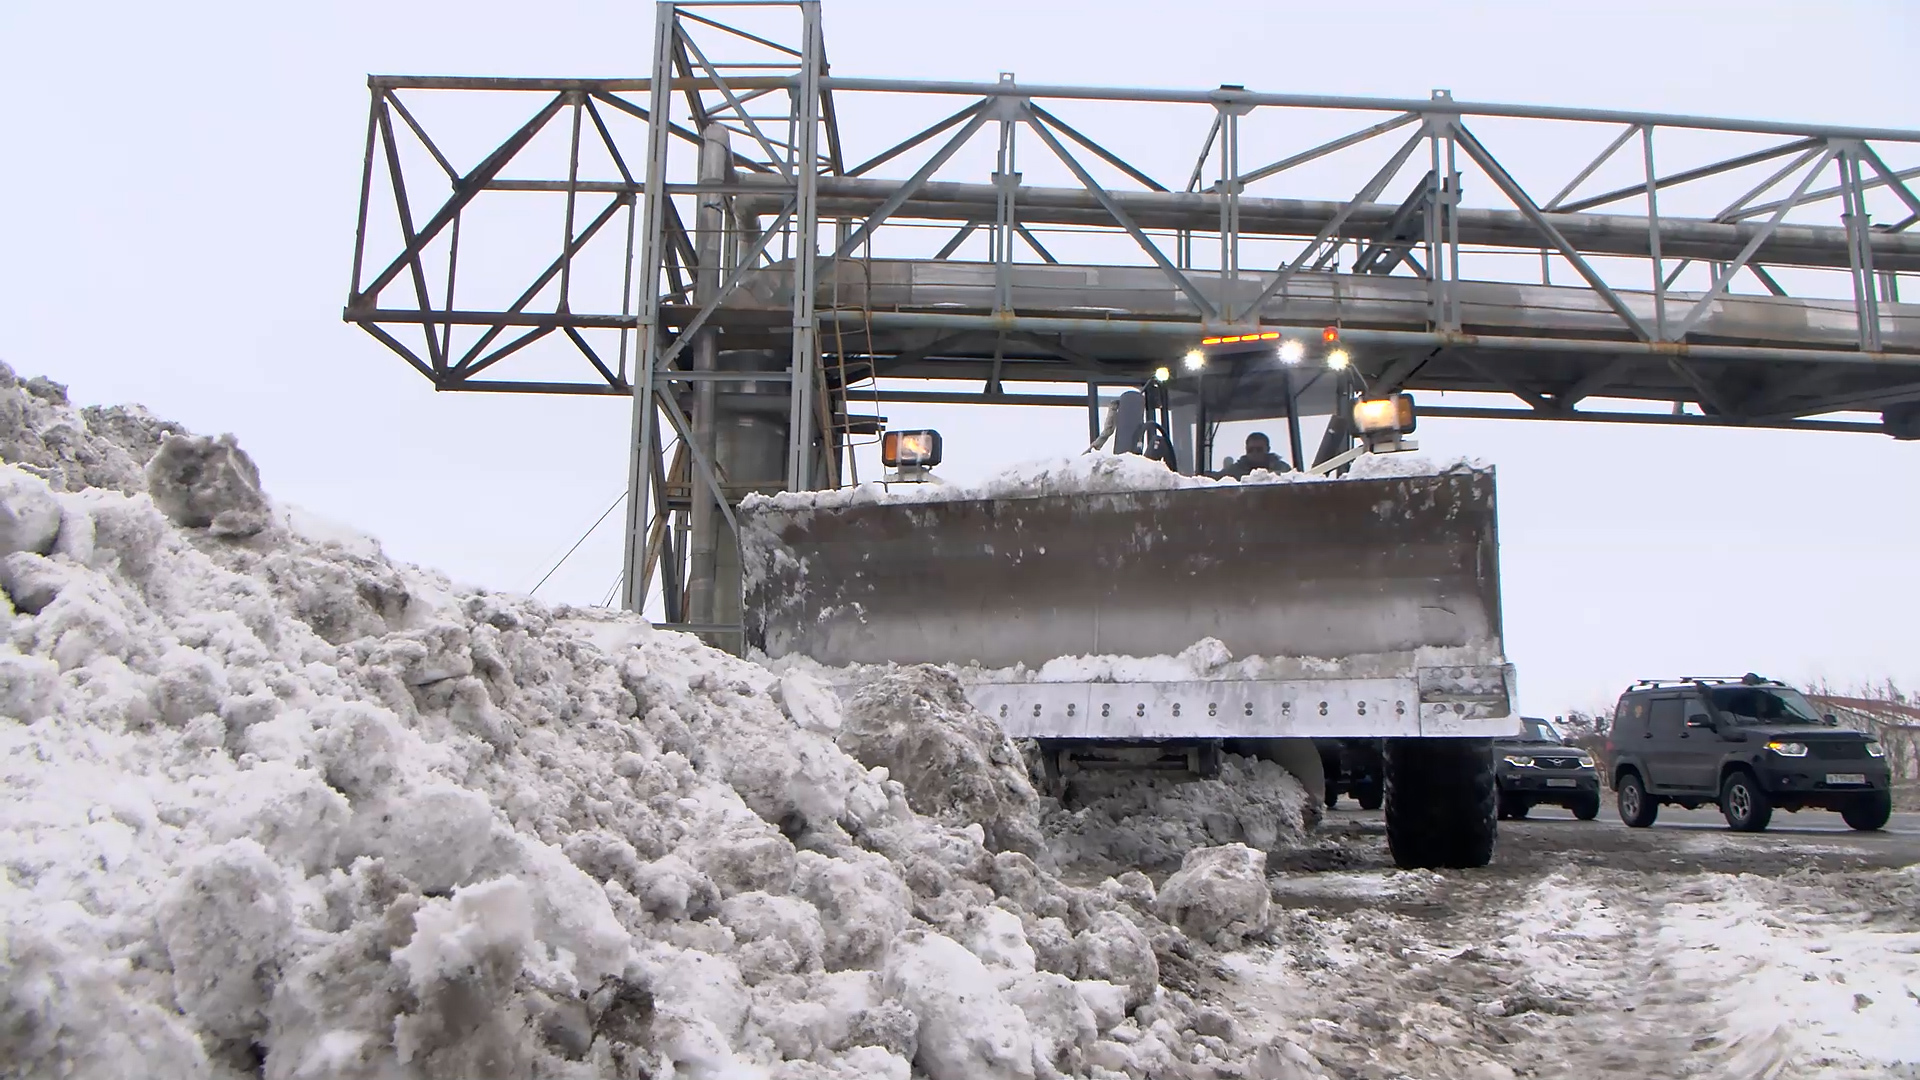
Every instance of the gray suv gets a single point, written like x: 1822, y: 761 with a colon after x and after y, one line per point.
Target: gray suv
x: 1751, y: 745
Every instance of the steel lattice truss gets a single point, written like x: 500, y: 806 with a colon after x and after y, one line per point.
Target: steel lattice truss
x: 901, y: 240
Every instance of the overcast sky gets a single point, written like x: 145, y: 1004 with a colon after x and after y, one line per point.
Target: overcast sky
x: 176, y: 220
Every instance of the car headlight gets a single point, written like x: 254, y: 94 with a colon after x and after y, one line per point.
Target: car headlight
x: 1586, y: 763
x: 1520, y: 760
x: 1874, y: 749
x: 1788, y: 749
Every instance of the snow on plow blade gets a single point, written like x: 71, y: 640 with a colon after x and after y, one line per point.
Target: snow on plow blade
x: 1394, y: 580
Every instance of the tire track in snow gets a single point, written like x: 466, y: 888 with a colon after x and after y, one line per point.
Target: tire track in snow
x: 1480, y: 976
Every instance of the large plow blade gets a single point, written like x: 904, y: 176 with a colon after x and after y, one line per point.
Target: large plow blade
x: 1371, y: 574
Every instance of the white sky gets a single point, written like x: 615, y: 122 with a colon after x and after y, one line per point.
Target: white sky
x: 176, y: 219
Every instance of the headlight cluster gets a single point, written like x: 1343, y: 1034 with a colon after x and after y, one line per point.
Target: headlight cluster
x: 1526, y: 761
x: 1788, y: 749
x: 1874, y: 749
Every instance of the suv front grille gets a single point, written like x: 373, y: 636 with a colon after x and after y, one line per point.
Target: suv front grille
x: 1557, y: 762
x: 1838, y: 749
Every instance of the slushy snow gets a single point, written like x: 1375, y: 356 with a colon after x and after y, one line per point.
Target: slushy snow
x: 274, y: 805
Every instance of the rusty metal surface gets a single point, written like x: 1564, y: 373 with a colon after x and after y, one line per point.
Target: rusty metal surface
x: 1327, y: 569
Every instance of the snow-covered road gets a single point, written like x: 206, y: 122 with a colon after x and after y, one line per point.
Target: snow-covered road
x: 1571, y: 960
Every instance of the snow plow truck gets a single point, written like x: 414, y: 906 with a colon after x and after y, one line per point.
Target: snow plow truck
x: 1360, y: 608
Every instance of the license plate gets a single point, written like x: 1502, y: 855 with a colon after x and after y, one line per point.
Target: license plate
x: 1846, y: 778
x: 1570, y: 783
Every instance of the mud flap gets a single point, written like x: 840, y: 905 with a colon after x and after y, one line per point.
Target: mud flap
x: 1315, y: 568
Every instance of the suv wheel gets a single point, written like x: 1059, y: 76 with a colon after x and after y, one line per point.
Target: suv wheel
x: 1368, y: 797
x: 1745, y: 803
x: 1869, y: 811
x: 1637, y: 808
x: 1513, y: 808
x: 1586, y: 807
x: 1440, y: 803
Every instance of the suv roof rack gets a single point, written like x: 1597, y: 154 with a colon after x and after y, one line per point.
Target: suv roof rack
x: 1749, y: 679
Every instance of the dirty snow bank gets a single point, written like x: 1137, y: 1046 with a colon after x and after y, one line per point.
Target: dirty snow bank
x: 273, y: 805
x: 957, y: 766
x: 1092, y: 473
x: 1126, y: 818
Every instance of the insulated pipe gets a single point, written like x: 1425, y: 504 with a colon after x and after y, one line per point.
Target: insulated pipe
x: 1593, y: 234
x: 710, y: 223
x: 1187, y: 329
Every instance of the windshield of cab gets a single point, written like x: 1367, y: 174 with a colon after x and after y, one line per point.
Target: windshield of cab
x: 1541, y: 731
x: 1764, y: 705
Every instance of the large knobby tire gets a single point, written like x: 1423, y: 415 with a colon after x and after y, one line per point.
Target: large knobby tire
x: 1744, y: 803
x: 1869, y: 811
x: 1586, y: 807
x: 1637, y: 808
x: 1440, y: 799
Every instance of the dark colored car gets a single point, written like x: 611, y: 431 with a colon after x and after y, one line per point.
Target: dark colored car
x: 1752, y: 745
x: 1540, y: 768
x: 1353, y: 767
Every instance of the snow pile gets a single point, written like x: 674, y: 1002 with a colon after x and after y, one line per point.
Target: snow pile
x: 96, y: 447
x: 272, y: 805
x: 956, y: 764
x: 1092, y: 473
x: 1126, y: 818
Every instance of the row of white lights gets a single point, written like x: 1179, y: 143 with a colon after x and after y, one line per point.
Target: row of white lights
x: 1290, y: 352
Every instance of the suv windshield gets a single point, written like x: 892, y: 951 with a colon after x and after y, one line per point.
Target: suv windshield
x: 1541, y: 731
x: 1771, y: 705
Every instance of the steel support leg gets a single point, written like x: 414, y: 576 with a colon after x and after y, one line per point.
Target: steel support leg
x: 642, y: 448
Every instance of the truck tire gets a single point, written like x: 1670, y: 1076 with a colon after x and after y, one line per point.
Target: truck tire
x: 1637, y: 808
x: 1368, y: 796
x: 1744, y: 803
x: 1869, y: 812
x: 1440, y: 800
x: 1586, y: 807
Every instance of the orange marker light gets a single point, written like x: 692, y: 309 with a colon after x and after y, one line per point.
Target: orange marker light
x: 1330, y: 335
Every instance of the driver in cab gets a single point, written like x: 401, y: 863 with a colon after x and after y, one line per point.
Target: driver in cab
x: 1259, y: 455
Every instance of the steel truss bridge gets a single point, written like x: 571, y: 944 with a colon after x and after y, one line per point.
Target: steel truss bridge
x: 757, y: 253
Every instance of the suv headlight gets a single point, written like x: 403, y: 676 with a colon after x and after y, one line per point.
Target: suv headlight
x: 1586, y: 762
x: 1874, y: 749
x: 1788, y: 749
x: 1520, y: 760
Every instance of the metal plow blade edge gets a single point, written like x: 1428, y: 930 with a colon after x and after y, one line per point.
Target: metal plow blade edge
x: 1380, y: 577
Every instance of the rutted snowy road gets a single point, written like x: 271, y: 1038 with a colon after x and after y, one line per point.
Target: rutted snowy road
x: 1590, y: 949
